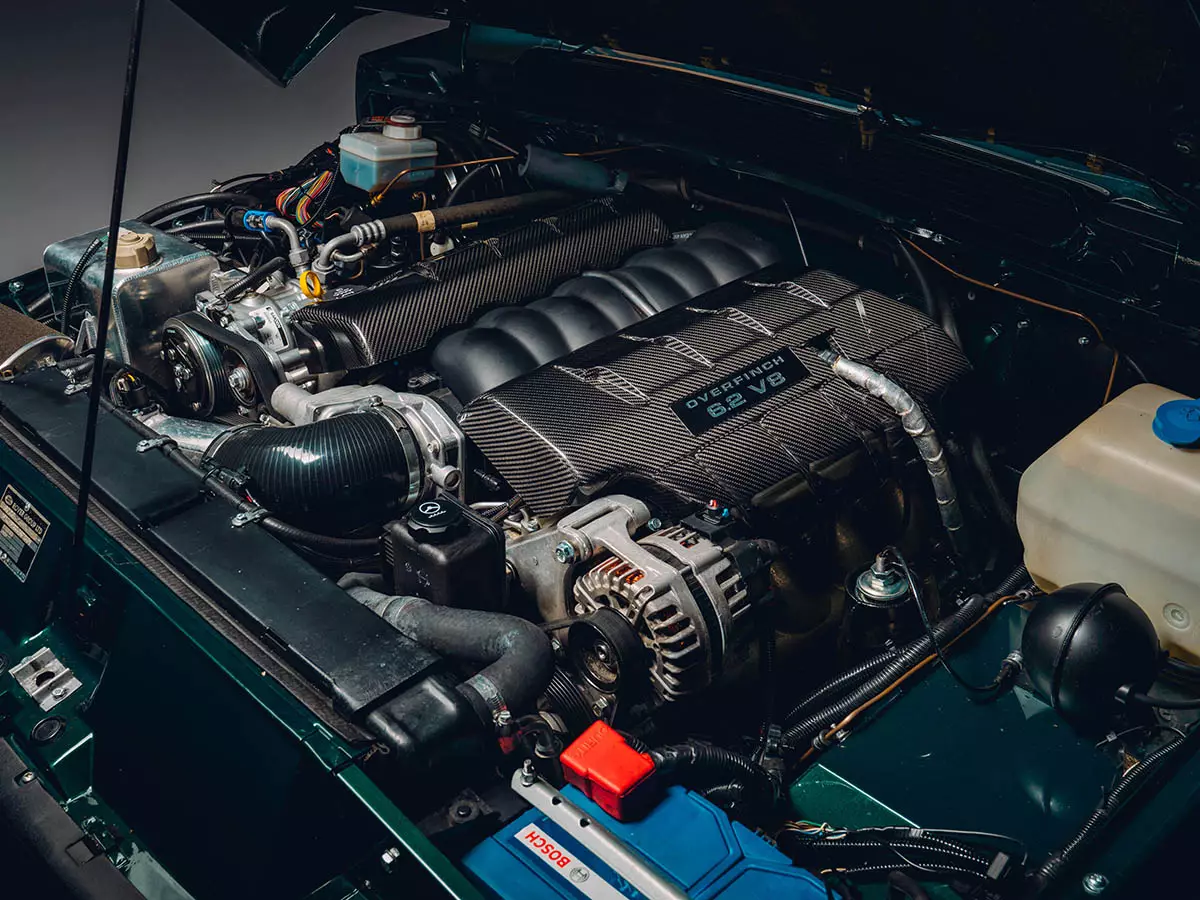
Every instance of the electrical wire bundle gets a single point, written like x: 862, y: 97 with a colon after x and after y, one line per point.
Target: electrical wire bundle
x: 930, y: 853
x: 303, y: 196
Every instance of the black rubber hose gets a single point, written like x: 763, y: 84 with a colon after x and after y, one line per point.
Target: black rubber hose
x: 346, y: 472
x: 844, y: 682
x: 1165, y: 702
x: 697, y: 764
x: 335, y: 546
x: 203, y: 225
x: 725, y: 795
x: 73, y: 283
x: 928, y: 300
x: 812, y: 725
x: 1109, y: 806
x: 37, y: 304
x: 464, y: 183
x: 517, y: 657
x: 254, y: 278
x: 471, y: 212
x: 983, y: 466
x: 196, y: 201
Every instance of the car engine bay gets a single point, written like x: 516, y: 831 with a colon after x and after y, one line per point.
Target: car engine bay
x: 658, y: 485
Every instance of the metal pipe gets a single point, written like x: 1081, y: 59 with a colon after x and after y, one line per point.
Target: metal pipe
x: 920, y: 429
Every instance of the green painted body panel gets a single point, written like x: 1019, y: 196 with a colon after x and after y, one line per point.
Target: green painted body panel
x: 940, y: 758
x: 178, y: 744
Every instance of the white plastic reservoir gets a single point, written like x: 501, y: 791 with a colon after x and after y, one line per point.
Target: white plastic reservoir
x: 1113, y: 502
x: 371, y: 160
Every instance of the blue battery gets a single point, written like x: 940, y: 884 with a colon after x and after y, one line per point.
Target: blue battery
x: 691, y: 841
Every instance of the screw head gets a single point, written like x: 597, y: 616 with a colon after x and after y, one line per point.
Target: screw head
x: 15, y: 287
x: 654, y: 524
x: 1084, y: 340
x: 528, y: 773
x: 564, y: 553
x: 27, y: 778
x: 58, y: 693
x: 1022, y: 324
x: 1094, y: 883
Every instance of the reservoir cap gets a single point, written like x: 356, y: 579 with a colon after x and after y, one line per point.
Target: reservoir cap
x: 1177, y: 422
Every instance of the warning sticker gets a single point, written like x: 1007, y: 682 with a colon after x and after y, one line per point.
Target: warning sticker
x: 22, y: 530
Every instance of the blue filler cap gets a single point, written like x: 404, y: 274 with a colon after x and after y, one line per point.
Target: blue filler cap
x: 1178, y: 423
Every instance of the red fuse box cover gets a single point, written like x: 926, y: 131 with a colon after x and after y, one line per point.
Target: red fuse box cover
x: 610, y: 772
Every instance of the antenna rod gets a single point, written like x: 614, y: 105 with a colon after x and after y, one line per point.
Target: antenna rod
x: 105, y: 311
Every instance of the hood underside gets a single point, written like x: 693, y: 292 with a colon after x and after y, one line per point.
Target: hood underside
x: 1105, y: 76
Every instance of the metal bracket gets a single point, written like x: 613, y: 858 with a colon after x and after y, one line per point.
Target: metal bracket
x: 648, y: 879
x: 45, y: 679
x: 76, y: 386
x: 152, y: 443
x: 245, y: 518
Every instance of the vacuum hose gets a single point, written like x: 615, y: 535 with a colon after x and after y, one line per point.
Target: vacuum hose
x: 518, y: 658
x: 343, y: 472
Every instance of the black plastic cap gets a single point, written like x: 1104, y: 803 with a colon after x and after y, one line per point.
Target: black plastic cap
x: 1084, y: 642
x: 435, y: 517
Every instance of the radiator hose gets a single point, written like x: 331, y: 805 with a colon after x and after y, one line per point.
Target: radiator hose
x: 812, y: 725
x: 341, y: 473
x: 517, y: 656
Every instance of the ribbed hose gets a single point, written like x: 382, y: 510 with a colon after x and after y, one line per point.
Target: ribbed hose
x: 1050, y: 869
x: 812, y: 725
x: 724, y: 795
x: 846, y: 681
x: 345, y: 472
x: 517, y: 657
x: 698, y: 765
x: 920, y: 429
x: 334, y: 546
x: 73, y: 283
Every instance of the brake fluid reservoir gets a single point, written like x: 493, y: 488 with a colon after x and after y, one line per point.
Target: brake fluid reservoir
x: 372, y: 160
x: 1115, y: 502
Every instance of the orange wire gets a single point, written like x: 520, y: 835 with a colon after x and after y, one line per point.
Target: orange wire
x: 456, y: 165
x: 1112, y: 374
x: 855, y: 713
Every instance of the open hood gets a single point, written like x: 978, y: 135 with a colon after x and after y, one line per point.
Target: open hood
x: 1113, y: 77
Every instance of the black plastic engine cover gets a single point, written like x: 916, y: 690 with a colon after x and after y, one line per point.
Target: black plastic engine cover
x: 722, y: 399
x: 400, y: 316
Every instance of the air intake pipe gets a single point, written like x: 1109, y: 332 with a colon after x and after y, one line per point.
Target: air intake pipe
x: 340, y: 473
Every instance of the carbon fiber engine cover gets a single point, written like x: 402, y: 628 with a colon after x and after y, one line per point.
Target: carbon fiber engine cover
x: 721, y: 399
x: 400, y: 316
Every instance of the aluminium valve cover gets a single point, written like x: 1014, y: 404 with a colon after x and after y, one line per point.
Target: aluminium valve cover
x: 721, y: 399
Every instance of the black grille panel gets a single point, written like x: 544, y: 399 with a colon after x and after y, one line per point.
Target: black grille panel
x: 602, y: 416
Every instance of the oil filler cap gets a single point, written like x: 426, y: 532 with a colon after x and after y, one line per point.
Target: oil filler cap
x: 1177, y: 422
x: 435, y: 516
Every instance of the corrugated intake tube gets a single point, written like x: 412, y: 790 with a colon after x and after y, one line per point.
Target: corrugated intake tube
x: 339, y: 473
x: 517, y: 657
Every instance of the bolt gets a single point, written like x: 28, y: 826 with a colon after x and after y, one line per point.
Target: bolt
x: 15, y: 287
x: 654, y: 524
x: 58, y: 693
x: 603, y: 651
x: 556, y: 646
x: 528, y: 773
x: 1084, y: 340
x: 1094, y: 883
x: 1022, y: 324
x: 390, y: 855
x: 600, y: 705
x: 462, y: 812
x: 27, y: 778
x: 565, y: 553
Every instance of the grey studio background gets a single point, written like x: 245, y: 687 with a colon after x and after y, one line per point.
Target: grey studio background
x: 202, y: 113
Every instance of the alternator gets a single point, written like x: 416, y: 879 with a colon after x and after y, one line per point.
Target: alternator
x: 687, y: 598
